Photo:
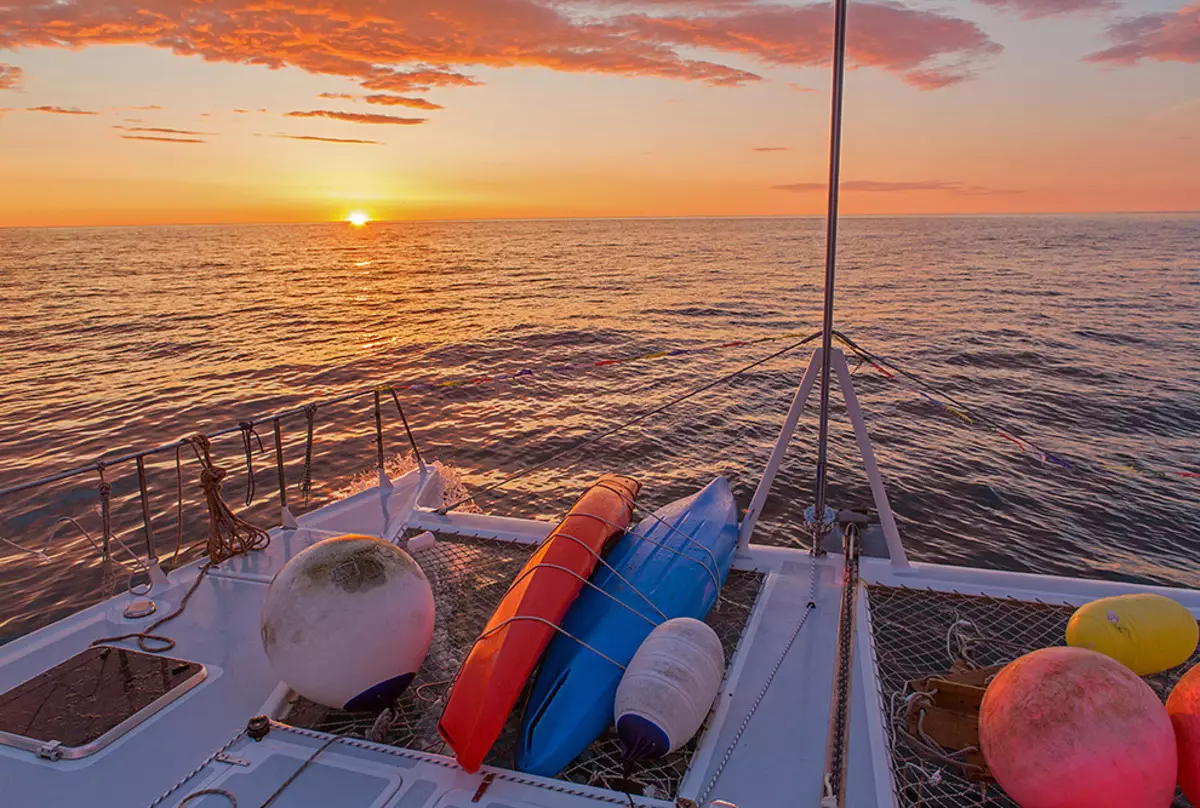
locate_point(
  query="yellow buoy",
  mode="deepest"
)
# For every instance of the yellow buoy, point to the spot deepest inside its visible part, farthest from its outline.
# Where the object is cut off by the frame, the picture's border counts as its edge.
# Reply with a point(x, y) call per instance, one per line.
point(1146, 633)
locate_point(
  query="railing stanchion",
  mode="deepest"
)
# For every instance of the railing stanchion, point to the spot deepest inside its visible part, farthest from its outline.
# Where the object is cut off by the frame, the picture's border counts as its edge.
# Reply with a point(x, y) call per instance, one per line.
point(147, 525)
point(384, 482)
point(288, 521)
point(411, 440)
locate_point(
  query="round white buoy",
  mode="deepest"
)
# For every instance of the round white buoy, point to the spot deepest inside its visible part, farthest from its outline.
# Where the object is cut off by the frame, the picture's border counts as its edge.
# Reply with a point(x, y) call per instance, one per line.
point(348, 621)
point(668, 688)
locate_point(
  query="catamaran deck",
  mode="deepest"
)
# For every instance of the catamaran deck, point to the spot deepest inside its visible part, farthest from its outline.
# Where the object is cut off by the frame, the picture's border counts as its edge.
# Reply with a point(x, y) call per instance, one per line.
point(195, 751)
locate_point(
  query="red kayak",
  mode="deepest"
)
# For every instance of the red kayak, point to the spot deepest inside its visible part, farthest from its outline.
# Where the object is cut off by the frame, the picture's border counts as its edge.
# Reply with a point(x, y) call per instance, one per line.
point(493, 675)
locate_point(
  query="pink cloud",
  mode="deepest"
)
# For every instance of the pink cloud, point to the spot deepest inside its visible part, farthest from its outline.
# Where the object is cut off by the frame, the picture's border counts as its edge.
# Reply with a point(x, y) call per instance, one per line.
point(1168, 37)
point(926, 49)
point(1033, 9)
point(402, 101)
point(162, 139)
point(417, 45)
point(885, 187)
point(62, 110)
point(331, 139)
point(356, 117)
point(10, 76)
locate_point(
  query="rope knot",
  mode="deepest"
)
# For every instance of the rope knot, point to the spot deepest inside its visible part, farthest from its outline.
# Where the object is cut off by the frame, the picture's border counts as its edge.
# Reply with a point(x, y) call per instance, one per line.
point(211, 478)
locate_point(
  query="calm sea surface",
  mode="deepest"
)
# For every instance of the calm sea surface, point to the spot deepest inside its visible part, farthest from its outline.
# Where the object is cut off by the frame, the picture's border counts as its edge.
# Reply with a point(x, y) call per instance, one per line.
point(1082, 334)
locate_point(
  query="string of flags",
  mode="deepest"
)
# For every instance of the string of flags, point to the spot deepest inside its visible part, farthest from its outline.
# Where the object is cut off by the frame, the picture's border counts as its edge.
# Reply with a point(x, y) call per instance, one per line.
point(575, 367)
point(946, 403)
point(939, 399)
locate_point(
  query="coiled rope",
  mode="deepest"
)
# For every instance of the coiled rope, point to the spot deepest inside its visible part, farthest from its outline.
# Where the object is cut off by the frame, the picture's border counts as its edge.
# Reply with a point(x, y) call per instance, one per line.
point(228, 535)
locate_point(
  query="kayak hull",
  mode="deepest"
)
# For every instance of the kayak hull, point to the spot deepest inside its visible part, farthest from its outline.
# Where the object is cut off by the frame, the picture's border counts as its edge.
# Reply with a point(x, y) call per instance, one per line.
point(572, 699)
point(500, 663)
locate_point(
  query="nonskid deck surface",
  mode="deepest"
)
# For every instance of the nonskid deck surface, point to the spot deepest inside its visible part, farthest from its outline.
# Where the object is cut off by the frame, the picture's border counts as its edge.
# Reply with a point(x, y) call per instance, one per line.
point(919, 633)
point(469, 576)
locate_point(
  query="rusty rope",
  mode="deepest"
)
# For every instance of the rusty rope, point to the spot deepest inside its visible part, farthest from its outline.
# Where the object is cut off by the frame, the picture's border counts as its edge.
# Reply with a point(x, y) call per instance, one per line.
point(228, 534)
point(248, 432)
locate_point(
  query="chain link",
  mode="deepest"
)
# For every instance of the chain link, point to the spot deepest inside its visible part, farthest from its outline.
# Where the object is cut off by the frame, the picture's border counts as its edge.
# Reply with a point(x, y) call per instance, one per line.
point(841, 716)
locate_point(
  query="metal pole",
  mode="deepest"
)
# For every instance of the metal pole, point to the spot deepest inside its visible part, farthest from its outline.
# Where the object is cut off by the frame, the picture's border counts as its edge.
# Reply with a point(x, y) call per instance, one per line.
point(777, 454)
point(378, 434)
point(147, 524)
point(883, 507)
point(835, 161)
point(411, 440)
point(283, 503)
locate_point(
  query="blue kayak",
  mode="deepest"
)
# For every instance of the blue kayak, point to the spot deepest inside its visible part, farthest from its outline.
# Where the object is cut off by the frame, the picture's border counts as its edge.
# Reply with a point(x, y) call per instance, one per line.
point(678, 559)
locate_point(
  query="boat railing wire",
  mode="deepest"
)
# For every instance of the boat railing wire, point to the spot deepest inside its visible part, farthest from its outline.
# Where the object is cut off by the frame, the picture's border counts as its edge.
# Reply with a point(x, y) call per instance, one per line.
point(141, 504)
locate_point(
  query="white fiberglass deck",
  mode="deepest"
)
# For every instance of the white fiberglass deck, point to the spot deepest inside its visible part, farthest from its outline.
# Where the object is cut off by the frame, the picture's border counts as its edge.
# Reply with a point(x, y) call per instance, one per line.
point(198, 741)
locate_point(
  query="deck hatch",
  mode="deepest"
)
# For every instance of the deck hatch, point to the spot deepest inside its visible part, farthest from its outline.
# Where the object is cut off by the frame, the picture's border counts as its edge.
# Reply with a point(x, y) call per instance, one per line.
point(85, 703)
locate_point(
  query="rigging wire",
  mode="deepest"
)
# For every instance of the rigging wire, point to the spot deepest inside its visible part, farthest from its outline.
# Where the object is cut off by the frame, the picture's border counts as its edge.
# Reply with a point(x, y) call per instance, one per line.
point(590, 439)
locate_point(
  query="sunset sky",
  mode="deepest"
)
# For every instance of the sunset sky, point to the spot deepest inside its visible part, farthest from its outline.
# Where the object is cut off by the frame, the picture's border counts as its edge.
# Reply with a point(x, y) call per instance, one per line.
point(153, 111)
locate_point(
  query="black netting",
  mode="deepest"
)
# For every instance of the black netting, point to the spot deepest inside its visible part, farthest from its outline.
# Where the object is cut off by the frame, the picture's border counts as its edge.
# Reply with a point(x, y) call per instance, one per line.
point(469, 577)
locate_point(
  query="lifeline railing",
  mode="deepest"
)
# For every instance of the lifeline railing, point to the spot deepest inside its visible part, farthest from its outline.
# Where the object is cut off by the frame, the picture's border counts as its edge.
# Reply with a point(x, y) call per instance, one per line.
point(247, 431)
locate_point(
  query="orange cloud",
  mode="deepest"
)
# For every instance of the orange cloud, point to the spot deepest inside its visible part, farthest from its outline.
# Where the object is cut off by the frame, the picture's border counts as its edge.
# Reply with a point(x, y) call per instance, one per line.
point(10, 76)
point(771, 148)
point(416, 45)
point(331, 139)
point(401, 101)
point(163, 139)
point(338, 96)
point(61, 110)
point(883, 187)
point(249, 111)
point(161, 130)
point(1032, 9)
point(1169, 37)
point(356, 117)
point(926, 49)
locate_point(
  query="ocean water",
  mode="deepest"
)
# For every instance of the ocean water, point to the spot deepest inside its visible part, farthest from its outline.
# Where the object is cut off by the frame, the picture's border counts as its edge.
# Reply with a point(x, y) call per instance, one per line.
point(1079, 333)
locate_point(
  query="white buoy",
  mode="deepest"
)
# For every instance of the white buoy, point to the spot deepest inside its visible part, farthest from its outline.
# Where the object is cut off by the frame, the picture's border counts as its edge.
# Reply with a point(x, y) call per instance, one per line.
point(348, 621)
point(668, 688)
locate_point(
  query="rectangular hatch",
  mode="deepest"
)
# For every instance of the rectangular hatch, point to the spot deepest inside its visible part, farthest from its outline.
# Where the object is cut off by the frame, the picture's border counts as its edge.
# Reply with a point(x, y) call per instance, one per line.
point(85, 703)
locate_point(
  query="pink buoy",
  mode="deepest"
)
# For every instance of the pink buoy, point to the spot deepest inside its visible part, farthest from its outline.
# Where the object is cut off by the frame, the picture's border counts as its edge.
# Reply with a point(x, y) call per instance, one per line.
point(1072, 728)
point(1184, 708)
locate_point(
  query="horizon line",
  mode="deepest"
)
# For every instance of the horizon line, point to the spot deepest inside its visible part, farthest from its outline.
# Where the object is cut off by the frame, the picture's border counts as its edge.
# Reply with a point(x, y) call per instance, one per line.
point(666, 217)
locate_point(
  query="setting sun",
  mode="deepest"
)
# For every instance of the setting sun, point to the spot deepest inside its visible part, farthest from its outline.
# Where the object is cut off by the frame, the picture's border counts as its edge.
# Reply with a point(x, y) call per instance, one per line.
point(358, 218)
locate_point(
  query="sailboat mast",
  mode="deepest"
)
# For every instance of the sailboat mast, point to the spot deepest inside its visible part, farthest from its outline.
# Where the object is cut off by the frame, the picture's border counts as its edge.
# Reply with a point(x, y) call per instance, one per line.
point(831, 232)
